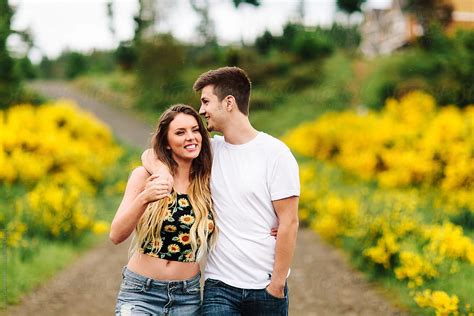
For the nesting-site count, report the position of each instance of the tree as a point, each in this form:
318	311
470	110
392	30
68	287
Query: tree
144	20
126	55
206	26
429	12
75	64
301	11
252	2
265	42
433	16
350	6
110	18
9	79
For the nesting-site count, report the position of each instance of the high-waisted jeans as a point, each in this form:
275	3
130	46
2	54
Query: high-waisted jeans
140	295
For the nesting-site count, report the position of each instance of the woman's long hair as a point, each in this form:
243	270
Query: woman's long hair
148	229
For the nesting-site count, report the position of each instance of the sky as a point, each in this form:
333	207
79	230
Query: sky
82	25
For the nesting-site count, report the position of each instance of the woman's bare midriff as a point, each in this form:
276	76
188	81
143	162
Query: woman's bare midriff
161	269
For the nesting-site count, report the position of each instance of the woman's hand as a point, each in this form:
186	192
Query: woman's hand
156	188
274	232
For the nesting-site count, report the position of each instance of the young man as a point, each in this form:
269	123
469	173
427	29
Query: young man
254	186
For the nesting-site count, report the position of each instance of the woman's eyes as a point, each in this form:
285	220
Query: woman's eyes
179	133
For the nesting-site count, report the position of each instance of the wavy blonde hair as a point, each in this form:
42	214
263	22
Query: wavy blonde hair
148	229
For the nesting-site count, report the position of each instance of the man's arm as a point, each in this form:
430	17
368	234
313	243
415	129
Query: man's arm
156	167
141	189
287	212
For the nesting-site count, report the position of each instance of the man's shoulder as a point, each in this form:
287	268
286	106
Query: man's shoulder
217	138
217	141
272	143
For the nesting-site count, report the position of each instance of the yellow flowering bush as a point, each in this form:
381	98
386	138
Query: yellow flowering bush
414	268
51	140
13	233
383	251
336	216
59	211
59	154
386	226
411	142
448	240
422	160
441	302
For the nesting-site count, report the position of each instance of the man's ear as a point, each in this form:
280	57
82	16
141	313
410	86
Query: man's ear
230	103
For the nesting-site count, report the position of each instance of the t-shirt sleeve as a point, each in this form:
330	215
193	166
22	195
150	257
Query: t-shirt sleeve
284	180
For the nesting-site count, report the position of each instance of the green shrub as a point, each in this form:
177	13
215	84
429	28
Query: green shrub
159	67
76	64
312	45
125	56
445	71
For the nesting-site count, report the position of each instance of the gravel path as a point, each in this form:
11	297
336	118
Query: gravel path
321	282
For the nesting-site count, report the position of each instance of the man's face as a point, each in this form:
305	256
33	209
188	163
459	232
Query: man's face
212	109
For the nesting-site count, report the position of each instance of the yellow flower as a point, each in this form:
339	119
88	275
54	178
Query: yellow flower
415	268
100	227
170	228
173	248
187	219
184	238
210	226
157	243
189	257
183	202
440	301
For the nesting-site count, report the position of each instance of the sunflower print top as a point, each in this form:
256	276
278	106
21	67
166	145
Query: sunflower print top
175	243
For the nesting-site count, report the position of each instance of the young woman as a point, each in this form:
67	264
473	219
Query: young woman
172	232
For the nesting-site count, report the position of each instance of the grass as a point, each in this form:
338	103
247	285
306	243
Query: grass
24	272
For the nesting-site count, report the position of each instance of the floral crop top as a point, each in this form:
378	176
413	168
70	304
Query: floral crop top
175	243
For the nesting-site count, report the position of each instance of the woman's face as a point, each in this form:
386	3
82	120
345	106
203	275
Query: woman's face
184	138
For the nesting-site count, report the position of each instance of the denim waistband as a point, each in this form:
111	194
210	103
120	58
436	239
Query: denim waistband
149	282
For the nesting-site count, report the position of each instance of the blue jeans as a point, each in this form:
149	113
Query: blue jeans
140	295
223	299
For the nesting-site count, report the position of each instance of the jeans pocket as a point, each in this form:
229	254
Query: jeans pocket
211	282
273	297
193	290
130	286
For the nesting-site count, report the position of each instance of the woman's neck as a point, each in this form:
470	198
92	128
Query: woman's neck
181	177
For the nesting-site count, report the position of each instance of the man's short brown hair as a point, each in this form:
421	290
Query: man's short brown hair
227	81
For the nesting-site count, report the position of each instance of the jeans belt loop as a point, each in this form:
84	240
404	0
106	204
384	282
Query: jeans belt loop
148	284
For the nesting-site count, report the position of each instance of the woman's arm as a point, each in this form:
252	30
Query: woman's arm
141	189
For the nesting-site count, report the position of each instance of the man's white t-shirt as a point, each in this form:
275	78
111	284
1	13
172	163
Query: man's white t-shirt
245	180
